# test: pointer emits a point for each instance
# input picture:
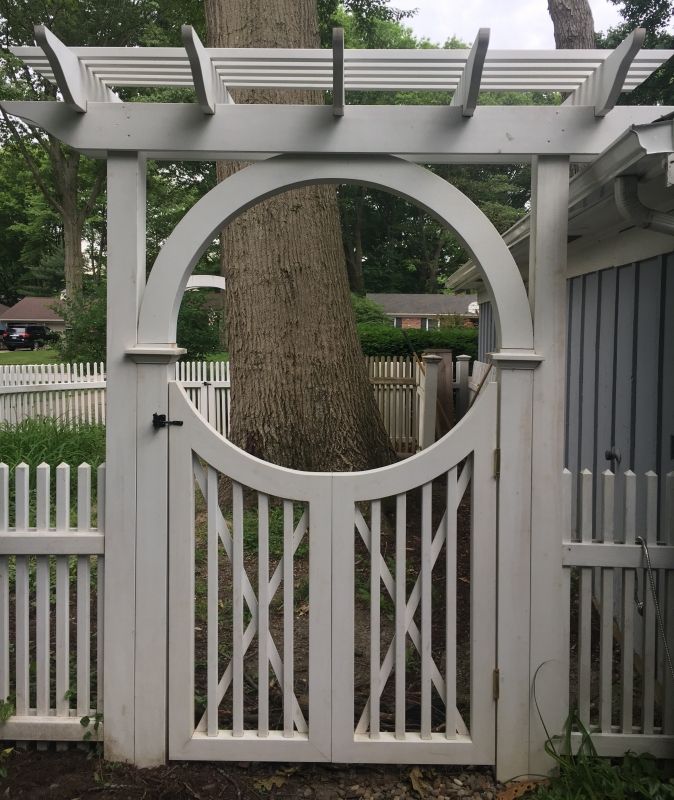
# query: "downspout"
(632, 209)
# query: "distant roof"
(420, 304)
(3, 309)
(33, 309)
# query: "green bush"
(198, 326)
(369, 312)
(84, 335)
(379, 340)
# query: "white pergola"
(338, 143)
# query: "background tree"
(300, 391)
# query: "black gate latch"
(160, 421)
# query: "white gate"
(332, 616)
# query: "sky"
(515, 24)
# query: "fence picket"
(288, 619)
(83, 595)
(585, 604)
(450, 603)
(426, 605)
(62, 595)
(237, 609)
(42, 596)
(649, 666)
(212, 601)
(400, 613)
(4, 586)
(375, 600)
(22, 611)
(606, 629)
(100, 589)
(627, 654)
(263, 615)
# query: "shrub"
(379, 340)
(198, 325)
(84, 335)
(369, 312)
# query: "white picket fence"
(52, 584)
(621, 679)
(51, 601)
(76, 393)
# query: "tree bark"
(573, 24)
(301, 396)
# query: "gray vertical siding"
(620, 369)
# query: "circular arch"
(195, 231)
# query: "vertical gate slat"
(426, 599)
(375, 607)
(400, 612)
(627, 655)
(450, 605)
(4, 586)
(22, 687)
(237, 609)
(585, 604)
(263, 615)
(606, 635)
(288, 618)
(62, 594)
(212, 614)
(649, 606)
(42, 597)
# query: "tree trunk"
(573, 24)
(301, 396)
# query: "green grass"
(216, 357)
(50, 441)
(42, 356)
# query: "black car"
(26, 337)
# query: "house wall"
(620, 370)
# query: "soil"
(74, 773)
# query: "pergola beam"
(77, 85)
(468, 90)
(425, 134)
(208, 86)
(338, 95)
(602, 89)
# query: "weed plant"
(585, 776)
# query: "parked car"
(26, 337)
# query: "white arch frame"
(192, 235)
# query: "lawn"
(43, 356)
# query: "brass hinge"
(497, 462)
(496, 675)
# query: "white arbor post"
(549, 581)
(126, 280)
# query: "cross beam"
(603, 87)
(208, 86)
(75, 82)
(425, 134)
(468, 90)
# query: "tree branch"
(32, 165)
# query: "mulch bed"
(76, 774)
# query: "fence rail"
(76, 393)
(51, 600)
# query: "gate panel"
(398, 586)
(249, 601)
(413, 639)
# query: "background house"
(34, 311)
(426, 311)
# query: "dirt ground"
(74, 773)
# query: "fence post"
(462, 375)
(429, 401)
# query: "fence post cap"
(431, 358)
(463, 357)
